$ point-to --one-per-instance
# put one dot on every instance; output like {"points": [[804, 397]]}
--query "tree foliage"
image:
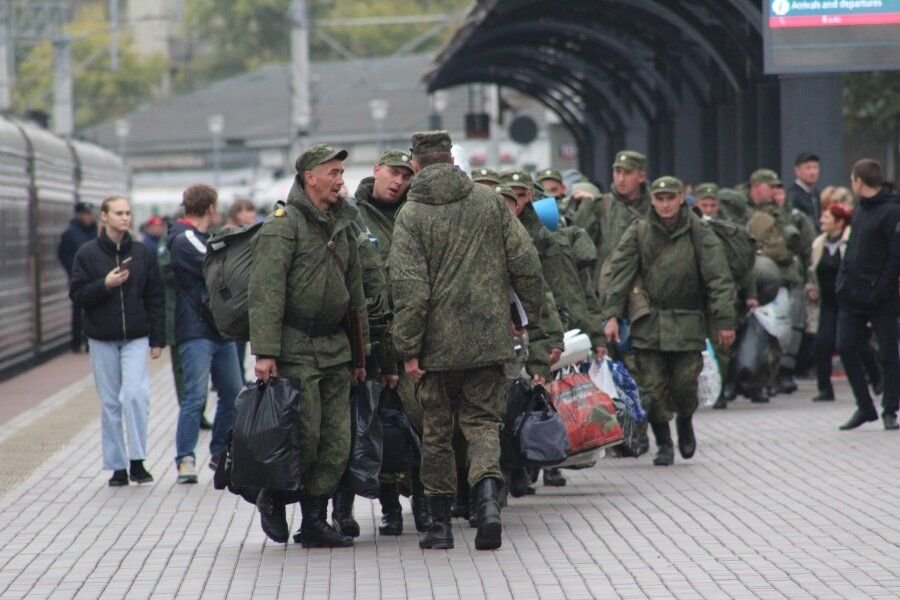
{"points": [[872, 108], [233, 36], [99, 93]]}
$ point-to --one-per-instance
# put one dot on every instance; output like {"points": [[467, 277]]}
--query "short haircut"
{"points": [[841, 213], [198, 198], [433, 158], [240, 205], [868, 171]]}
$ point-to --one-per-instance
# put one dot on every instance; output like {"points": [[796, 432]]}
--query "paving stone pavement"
{"points": [[776, 504]]}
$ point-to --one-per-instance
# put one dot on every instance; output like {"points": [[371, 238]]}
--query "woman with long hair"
{"points": [[116, 283]]}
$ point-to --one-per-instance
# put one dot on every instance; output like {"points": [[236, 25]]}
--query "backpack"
{"points": [[739, 245], [226, 270]]}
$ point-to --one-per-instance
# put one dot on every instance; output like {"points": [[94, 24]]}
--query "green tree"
{"points": [[99, 93], [872, 108], [233, 36]]}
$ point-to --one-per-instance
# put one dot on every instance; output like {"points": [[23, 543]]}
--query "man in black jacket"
{"points": [[867, 292], [803, 194], [81, 230]]}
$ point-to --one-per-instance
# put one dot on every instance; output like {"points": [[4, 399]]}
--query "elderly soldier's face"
{"points": [[708, 206], [761, 193], [390, 183], [324, 183], [628, 181], [554, 188], [667, 204]]}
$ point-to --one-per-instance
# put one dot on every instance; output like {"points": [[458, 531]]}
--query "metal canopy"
{"points": [[605, 65]]}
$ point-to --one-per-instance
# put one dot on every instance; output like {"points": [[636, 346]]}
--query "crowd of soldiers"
{"points": [[433, 255]]}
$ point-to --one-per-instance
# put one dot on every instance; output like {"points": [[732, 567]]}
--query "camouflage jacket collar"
{"points": [[681, 226], [365, 195], [642, 204], [440, 184]]}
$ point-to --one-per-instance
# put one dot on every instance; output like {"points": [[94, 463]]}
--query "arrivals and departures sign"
{"points": [[831, 36], [833, 13]]}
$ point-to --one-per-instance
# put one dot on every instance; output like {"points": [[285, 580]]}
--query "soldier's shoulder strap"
{"points": [[329, 243]]}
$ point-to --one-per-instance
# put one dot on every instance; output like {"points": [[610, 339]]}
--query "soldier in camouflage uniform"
{"points": [[779, 239], [379, 198], [306, 278], [706, 200], [606, 219], [684, 277], [456, 254], [488, 177]]}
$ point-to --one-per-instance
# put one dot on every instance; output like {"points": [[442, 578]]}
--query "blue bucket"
{"points": [[548, 212]]}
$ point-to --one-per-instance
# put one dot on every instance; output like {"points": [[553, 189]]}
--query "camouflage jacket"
{"points": [[296, 279], [380, 221], [456, 253], [778, 238], [557, 252], [681, 287], [607, 218], [378, 305]]}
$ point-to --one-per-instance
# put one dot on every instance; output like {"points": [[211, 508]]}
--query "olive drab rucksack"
{"points": [[739, 245], [226, 270]]}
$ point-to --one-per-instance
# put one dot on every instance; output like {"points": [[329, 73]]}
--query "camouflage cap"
{"points": [[316, 155], [706, 190], [764, 176], [486, 175], [505, 190], [395, 158], [666, 184], [428, 142], [630, 160], [550, 174], [516, 178]]}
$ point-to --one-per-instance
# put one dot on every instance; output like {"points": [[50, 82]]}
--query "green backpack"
{"points": [[226, 270], [739, 245]]}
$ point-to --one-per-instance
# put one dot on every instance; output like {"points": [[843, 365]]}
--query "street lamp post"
{"points": [[438, 106], [216, 125], [379, 110], [122, 131]]}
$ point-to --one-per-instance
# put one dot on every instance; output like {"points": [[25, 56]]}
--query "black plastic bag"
{"points": [[517, 399], [402, 443], [635, 441], [222, 477], [266, 439], [756, 355], [364, 466]]}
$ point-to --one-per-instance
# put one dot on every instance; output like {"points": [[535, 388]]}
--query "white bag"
{"points": [[601, 374], [709, 382], [775, 317]]}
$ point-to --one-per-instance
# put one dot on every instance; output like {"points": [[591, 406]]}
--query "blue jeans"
{"points": [[200, 359], [123, 384]]}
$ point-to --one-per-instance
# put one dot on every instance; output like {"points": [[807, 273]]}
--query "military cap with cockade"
{"points": [[630, 160], [429, 142], [316, 155], [395, 158], [516, 178], [666, 184], [486, 176], [764, 176], [550, 174], [706, 190], [505, 190]]}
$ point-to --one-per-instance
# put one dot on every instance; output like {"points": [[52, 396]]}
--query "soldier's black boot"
{"points": [[315, 532], [720, 402], [687, 443], [440, 536], [391, 511], [785, 383], [487, 509], [729, 392], [421, 512], [759, 395], [554, 477], [520, 483], [665, 450], [342, 513], [272, 515]]}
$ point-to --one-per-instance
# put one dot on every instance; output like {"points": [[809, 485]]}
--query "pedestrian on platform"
{"points": [[81, 230], [116, 283]]}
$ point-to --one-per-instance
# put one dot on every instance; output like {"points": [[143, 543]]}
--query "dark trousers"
{"points": [[78, 339], [851, 337], [826, 342]]}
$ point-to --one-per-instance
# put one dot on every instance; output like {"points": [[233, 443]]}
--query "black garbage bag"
{"points": [[755, 355], [532, 433], [402, 443], [222, 477], [635, 441], [517, 399], [364, 466], [266, 439]]}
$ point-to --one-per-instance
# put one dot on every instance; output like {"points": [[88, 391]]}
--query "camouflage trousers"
{"points": [[324, 425], [668, 383], [474, 399]]}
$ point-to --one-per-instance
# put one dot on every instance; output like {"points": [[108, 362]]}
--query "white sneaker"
{"points": [[187, 470]]}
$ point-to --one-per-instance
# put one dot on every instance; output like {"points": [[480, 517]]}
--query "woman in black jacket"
{"points": [[116, 282]]}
